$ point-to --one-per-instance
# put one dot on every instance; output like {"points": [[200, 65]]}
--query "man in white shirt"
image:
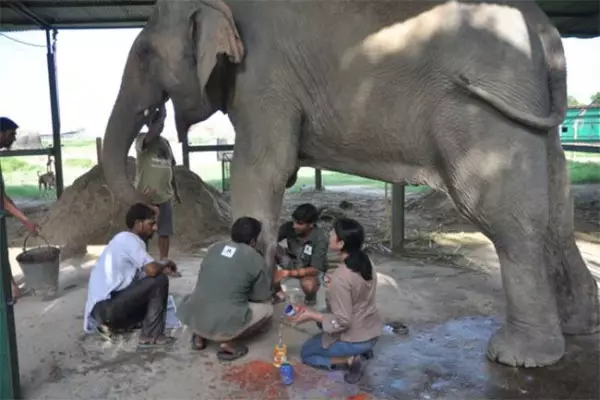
{"points": [[127, 286]]}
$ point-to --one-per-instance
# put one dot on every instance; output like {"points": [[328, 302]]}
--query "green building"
{"points": [[582, 124]]}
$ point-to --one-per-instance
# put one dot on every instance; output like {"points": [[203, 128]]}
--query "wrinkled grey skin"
{"points": [[460, 96]]}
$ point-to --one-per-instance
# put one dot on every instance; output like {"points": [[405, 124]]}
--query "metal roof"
{"points": [[574, 18]]}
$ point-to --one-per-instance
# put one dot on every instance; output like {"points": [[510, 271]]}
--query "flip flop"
{"points": [[355, 372], [240, 351], [195, 346], [159, 342], [105, 333], [278, 297]]}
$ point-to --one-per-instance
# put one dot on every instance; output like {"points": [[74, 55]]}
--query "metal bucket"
{"points": [[40, 267]]}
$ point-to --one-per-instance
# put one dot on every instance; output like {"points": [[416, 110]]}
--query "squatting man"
{"points": [[127, 287]]}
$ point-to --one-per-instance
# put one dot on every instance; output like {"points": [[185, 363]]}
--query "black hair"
{"points": [[306, 214], [352, 233], [245, 230], [138, 212], [7, 124]]}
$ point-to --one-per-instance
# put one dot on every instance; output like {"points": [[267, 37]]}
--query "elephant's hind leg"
{"points": [[575, 287], [500, 185]]}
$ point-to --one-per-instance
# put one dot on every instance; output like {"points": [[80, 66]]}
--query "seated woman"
{"points": [[352, 327], [231, 300]]}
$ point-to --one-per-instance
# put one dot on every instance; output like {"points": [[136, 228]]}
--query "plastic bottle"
{"points": [[289, 310], [286, 373], [280, 350]]}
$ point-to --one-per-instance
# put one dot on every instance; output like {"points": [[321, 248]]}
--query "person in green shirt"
{"points": [[155, 176], [306, 255], [231, 299], [8, 135]]}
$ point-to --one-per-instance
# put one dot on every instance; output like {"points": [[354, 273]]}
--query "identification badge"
{"points": [[228, 251], [308, 250]]}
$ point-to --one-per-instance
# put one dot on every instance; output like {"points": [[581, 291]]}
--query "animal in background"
{"points": [[47, 180]]}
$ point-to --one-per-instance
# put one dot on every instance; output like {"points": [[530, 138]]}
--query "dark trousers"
{"points": [[144, 300]]}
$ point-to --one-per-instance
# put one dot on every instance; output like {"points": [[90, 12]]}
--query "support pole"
{"points": [[185, 151], [56, 145], [99, 150], [10, 386], [318, 179], [397, 237]]}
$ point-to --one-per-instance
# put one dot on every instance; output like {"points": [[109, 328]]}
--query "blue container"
{"points": [[289, 310], [286, 372]]}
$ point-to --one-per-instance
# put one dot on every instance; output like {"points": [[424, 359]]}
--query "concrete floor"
{"points": [[451, 313]]}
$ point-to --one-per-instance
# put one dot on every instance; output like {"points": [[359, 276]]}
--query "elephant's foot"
{"points": [[582, 317], [529, 349]]}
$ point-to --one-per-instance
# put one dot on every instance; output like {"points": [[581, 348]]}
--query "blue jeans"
{"points": [[315, 355]]}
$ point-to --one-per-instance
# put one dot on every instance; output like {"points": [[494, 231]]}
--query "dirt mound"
{"points": [[88, 213], [435, 205]]}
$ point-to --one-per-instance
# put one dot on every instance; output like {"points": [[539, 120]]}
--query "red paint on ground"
{"points": [[360, 396], [257, 379], [260, 380]]}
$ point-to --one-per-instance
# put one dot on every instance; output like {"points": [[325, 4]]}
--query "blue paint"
{"points": [[286, 372]]}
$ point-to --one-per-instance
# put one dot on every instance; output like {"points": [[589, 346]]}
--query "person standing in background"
{"points": [[155, 176], [8, 135]]}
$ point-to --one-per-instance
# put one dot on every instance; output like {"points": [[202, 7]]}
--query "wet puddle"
{"points": [[448, 361]]}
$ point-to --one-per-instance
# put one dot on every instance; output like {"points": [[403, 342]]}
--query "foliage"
{"points": [[573, 102], [584, 172], [83, 163], [16, 164], [595, 98]]}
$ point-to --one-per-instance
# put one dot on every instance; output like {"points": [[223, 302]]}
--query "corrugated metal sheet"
{"points": [[574, 18]]}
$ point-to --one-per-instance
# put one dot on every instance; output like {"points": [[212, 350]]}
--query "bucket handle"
{"points": [[27, 237]]}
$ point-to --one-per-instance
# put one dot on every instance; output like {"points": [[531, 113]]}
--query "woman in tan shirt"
{"points": [[352, 327]]}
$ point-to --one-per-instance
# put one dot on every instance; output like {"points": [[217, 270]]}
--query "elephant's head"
{"points": [[186, 52]]}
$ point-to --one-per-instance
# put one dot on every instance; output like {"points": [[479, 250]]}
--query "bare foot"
{"points": [[15, 292]]}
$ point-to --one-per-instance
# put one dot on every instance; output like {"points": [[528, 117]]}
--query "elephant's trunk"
{"points": [[137, 93], [123, 125]]}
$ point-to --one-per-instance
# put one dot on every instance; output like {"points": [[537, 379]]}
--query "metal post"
{"points": [[223, 175], [99, 150], [10, 386], [397, 237], [318, 179], [57, 148], [185, 150]]}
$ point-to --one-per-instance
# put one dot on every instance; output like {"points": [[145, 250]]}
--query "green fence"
{"points": [[582, 124]]}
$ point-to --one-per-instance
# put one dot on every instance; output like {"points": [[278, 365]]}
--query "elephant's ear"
{"points": [[214, 33]]}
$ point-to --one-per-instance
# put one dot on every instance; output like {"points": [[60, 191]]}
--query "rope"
{"points": [[22, 42]]}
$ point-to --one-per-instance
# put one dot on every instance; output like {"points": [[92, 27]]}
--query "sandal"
{"points": [[239, 352], [106, 334], [355, 371], [278, 297], [161, 341], [194, 343]]}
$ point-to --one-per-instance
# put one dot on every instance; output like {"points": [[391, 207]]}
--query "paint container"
{"points": [[286, 372], [289, 310]]}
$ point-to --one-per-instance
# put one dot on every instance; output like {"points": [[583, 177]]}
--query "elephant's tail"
{"points": [[557, 85]]}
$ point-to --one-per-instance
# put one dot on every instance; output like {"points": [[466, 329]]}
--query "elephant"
{"points": [[419, 92]]}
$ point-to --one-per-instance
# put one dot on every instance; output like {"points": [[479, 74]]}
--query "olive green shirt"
{"points": [[231, 275], [307, 251], [154, 167]]}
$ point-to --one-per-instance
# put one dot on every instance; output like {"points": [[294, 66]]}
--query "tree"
{"points": [[572, 101], [595, 98]]}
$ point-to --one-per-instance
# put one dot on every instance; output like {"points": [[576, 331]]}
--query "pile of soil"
{"points": [[88, 213]]}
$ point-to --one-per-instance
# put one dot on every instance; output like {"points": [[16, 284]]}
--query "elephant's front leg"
{"points": [[265, 155]]}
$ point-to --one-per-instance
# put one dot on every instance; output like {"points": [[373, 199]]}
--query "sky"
{"points": [[90, 65]]}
